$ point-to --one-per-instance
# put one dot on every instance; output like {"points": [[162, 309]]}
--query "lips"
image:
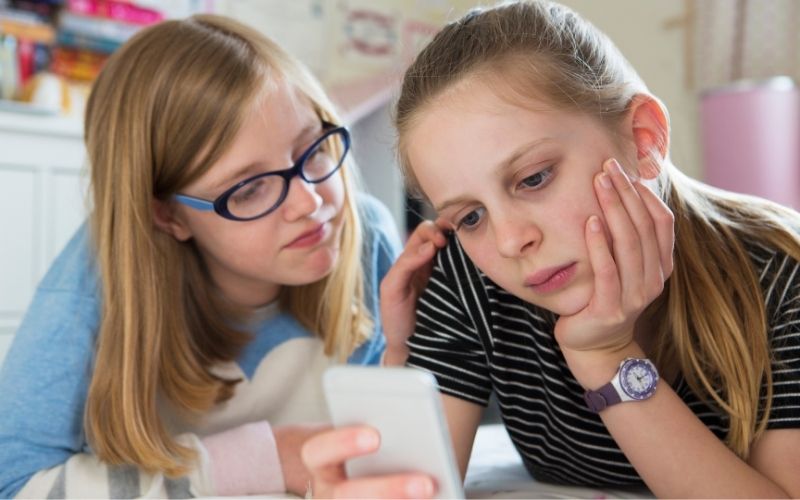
{"points": [[544, 275], [315, 233]]}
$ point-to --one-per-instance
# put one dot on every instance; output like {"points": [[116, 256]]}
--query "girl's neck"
{"points": [[248, 294], [265, 312]]}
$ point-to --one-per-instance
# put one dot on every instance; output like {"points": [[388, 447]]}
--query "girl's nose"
{"points": [[515, 234], [302, 199]]}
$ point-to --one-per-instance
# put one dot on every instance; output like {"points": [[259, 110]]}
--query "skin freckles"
{"points": [[250, 260], [518, 217]]}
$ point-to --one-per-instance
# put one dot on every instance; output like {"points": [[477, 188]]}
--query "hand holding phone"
{"points": [[404, 406]]}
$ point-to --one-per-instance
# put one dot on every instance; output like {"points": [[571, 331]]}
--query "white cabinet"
{"points": [[42, 201]]}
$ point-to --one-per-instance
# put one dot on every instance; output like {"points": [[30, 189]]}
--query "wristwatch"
{"points": [[635, 380]]}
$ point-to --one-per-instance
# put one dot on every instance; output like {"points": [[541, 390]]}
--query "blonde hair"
{"points": [[164, 324], [712, 323]]}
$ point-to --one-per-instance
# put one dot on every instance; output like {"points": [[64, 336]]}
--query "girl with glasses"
{"points": [[176, 345], [636, 326]]}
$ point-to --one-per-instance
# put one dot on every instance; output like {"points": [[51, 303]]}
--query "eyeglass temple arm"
{"points": [[196, 203]]}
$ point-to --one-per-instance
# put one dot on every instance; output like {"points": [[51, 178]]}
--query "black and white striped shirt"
{"points": [[476, 338]]}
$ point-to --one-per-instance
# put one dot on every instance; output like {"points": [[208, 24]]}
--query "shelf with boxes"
{"points": [[50, 51]]}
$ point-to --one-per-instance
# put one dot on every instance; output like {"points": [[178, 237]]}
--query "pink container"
{"points": [[751, 139]]}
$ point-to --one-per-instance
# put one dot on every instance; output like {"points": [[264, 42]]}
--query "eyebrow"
{"points": [[307, 131], [503, 165]]}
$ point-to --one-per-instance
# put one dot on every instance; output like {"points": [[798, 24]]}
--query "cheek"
{"points": [[563, 221], [571, 218], [332, 191], [240, 244], [483, 253], [578, 215], [591, 206]]}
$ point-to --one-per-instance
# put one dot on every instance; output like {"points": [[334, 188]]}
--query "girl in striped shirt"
{"points": [[635, 325]]}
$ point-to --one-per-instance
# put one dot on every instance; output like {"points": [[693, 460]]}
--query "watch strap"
{"points": [[598, 400]]}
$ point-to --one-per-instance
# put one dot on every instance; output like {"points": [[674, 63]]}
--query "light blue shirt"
{"points": [[46, 375]]}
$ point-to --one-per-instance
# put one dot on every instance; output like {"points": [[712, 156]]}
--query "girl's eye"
{"points": [[470, 220], [537, 180], [249, 191]]}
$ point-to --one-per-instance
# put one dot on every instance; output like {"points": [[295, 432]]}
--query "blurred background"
{"points": [[726, 70]]}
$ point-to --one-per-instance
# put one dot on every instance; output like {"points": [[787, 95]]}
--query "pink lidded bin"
{"points": [[751, 138]]}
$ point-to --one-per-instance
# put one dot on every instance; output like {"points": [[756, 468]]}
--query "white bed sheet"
{"points": [[496, 471]]}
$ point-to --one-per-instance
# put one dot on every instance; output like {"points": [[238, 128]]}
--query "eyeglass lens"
{"points": [[263, 194]]}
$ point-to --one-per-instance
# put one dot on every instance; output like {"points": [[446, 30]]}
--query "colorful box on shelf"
{"points": [[37, 32], [118, 10]]}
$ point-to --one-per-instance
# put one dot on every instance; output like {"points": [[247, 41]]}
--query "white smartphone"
{"points": [[405, 406]]}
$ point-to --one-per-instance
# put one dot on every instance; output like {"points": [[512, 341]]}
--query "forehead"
{"points": [[275, 120], [279, 105], [470, 129]]}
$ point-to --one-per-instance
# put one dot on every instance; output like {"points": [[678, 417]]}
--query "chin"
{"points": [[320, 265], [572, 302], [568, 309], [564, 303]]}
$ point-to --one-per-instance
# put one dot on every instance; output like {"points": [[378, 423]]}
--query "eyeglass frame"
{"points": [[220, 204]]}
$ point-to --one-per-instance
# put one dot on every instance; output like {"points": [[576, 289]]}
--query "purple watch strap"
{"points": [[603, 397]]}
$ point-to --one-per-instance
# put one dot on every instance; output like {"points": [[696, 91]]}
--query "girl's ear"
{"points": [[650, 126], [165, 219]]}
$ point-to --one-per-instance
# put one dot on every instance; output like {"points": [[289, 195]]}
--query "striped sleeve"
{"points": [[83, 475], [240, 461], [446, 341], [783, 302]]}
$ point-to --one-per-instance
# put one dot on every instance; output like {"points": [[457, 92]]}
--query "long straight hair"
{"points": [[711, 322], [164, 109]]}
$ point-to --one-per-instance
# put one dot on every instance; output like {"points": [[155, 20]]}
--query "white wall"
{"points": [[652, 37], [373, 147]]}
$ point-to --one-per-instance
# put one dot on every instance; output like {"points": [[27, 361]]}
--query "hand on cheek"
{"points": [[403, 284], [630, 272], [325, 454]]}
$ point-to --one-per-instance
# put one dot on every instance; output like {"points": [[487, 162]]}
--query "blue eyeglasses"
{"points": [[261, 194]]}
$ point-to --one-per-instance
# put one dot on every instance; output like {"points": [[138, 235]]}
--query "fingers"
{"points": [[612, 189], [392, 486], [606, 277], [652, 274], [429, 231], [416, 258], [644, 254], [326, 453], [664, 226], [445, 225]]}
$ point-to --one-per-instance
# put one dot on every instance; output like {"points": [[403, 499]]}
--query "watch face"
{"points": [[638, 378]]}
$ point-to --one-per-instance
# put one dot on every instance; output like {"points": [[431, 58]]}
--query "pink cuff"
{"points": [[244, 461]]}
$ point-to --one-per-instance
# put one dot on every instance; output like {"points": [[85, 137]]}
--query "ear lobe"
{"points": [[650, 126], [165, 220]]}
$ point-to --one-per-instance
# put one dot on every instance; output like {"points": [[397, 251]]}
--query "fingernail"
{"points": [[614, 166], [604, 180], [367, 440], [594, 224], [419, 488], [425, 247]]}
